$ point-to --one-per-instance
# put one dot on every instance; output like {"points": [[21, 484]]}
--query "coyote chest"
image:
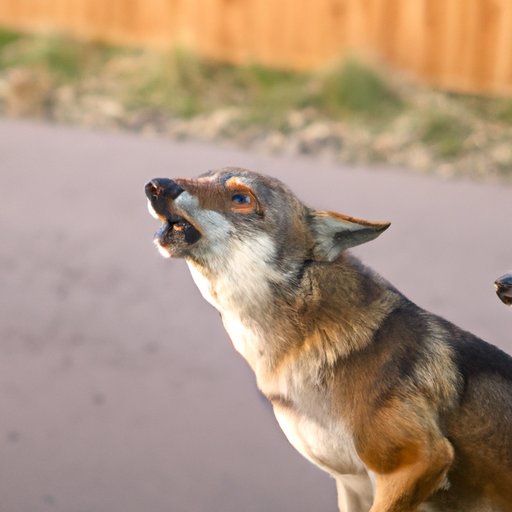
{"points": [[330, 447]]}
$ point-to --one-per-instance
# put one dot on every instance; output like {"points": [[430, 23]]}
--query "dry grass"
{"points": [[351, 112]]}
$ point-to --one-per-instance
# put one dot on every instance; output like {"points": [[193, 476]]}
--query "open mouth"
{"points": [[176, 228], [176, 232]]}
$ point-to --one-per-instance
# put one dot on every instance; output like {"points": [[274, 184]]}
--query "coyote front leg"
{"points": [[404, 489]]}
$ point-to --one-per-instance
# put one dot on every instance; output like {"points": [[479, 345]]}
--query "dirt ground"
{"points": [[119, 391]]}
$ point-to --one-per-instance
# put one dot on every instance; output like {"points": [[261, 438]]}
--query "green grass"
{"points": [[445, 134], [61, 58], [64, 59], [489, 108], [357, 90], [185, 85], [7, 37]]}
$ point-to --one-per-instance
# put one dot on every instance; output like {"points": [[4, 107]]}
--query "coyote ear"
{"points": [[334, 233]]}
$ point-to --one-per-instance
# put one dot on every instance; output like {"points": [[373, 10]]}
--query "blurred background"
{"points": [[119, 390], [423, 84]]}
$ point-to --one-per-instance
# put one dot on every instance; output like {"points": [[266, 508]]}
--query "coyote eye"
{"points": [[241, 199]]}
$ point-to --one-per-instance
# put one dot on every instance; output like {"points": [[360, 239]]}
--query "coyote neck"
{"points": [[268, 329], [238, 280], [247, 305]]}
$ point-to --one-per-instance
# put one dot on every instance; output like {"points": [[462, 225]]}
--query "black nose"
{"points": [[504, 281], [162, 187]]}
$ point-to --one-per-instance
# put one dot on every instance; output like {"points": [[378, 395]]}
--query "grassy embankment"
{"points": [[350, 112]]}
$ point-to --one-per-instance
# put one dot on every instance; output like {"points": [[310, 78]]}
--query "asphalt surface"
{"points": [[119, 391]]}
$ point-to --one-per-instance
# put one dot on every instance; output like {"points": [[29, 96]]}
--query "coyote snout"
{"points": [[405, 410], [162, 188], [176, 231]]}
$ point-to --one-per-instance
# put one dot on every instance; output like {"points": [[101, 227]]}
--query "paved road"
{"points": [[114, 397]]}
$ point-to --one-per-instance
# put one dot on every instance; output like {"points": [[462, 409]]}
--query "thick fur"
{"points": [[405, 410]]}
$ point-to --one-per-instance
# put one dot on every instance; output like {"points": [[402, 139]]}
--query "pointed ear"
{"points": [[334, 233]]}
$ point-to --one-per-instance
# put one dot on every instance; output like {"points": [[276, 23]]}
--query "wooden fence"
{"points": [[456, 44]]}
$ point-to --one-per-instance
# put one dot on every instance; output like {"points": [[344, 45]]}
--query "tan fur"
{"points": [[406, 411]]}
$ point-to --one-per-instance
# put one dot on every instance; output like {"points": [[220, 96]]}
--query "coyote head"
{"points": [[215, 217]]}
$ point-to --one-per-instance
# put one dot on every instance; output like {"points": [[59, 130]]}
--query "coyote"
{"points": [[405, 410]]}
